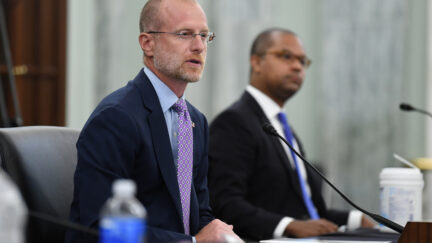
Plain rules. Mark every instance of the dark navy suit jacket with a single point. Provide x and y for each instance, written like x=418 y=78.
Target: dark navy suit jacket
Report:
x=126 y=137
x=252 y=184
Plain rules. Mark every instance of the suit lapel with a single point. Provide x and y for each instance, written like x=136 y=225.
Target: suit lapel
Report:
x=194 y=210
x=160 y=138
x=251 y=102
x=285 y=160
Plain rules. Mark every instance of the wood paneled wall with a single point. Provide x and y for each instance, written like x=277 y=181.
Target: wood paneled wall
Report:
x=37 y=35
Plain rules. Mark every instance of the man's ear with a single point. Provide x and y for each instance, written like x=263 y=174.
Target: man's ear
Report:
x=255 y=62
x=146 y=42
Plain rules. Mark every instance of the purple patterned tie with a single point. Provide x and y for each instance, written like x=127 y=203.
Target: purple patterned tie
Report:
x=185 y=158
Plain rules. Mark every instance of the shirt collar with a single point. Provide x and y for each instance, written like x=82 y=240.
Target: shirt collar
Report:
x=167 y=98
x=270 y=108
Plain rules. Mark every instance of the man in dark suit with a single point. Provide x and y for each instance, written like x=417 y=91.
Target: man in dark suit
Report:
x=147 y=132
x=256 y=183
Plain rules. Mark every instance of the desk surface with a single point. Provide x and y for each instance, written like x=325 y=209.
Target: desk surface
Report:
x=363 y=234
x=360 y=235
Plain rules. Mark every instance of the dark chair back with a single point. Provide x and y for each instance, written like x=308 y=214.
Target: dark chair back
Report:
x=41 y=160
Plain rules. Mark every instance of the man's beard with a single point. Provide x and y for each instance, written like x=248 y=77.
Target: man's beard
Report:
x=171 y=66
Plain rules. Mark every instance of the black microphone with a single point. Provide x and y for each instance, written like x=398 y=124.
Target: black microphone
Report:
x=392 y=225
x=408 y=107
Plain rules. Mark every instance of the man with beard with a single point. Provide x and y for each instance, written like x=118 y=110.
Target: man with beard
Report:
x=147 y=132
x=256 y=182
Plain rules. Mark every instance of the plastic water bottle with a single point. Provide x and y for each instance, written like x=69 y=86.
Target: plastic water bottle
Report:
x=13 y=212
x=123 y=218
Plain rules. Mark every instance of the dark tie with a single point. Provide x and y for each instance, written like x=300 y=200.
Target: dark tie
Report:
x=290 y=138
x=185 y=159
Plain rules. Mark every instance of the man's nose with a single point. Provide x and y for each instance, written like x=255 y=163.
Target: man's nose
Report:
x=297 y=64
x=198 y=44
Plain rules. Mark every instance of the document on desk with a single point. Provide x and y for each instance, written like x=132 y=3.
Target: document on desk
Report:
x=288 y=240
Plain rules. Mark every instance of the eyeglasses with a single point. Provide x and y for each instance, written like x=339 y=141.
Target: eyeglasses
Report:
x=290 y=57
x=206 y=37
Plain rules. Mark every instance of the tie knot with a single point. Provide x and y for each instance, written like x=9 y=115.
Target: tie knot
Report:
x=180 y=106
x=282 y=117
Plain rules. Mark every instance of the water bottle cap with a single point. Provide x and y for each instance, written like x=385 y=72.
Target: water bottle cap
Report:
x=124 y=187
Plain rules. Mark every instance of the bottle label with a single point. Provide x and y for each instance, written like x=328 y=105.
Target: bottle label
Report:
x=122 y=230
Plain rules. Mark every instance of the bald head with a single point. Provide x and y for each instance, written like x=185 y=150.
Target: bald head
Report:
x=150 y=15
x=169 y=41
x=266 y=39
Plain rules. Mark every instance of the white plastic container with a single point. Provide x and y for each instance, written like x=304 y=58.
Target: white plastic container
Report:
x=13 y=211
x=401 y=194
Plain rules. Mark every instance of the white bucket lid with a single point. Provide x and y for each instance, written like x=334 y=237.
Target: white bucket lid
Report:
x=401 y=174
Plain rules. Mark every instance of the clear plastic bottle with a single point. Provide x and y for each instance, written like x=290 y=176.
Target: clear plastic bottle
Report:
x=123 y=217
x=13 y=211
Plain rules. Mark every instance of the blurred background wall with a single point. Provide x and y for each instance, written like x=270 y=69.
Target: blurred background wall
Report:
x=368 y=57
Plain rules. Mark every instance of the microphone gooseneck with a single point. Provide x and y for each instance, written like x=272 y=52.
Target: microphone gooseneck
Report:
x=267 y=127
x=408 y=107
x=270 y=129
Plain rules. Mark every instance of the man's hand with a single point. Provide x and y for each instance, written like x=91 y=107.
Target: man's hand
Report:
x=217 y=231
x=366 y=222
x=308 y=228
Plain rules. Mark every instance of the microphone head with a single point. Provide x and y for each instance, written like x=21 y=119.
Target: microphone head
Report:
x=268 y=128
x=406 y=107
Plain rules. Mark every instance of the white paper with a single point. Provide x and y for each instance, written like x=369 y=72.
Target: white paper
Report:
x=288 y=240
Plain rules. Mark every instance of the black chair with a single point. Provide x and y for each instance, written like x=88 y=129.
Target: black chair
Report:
x=42 y=160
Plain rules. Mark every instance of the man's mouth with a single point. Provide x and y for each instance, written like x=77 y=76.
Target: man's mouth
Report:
x=295 y=78
x=195 y=61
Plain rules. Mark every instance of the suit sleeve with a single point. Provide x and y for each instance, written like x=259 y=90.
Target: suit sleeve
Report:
x=233 y=151
x=107 y=149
